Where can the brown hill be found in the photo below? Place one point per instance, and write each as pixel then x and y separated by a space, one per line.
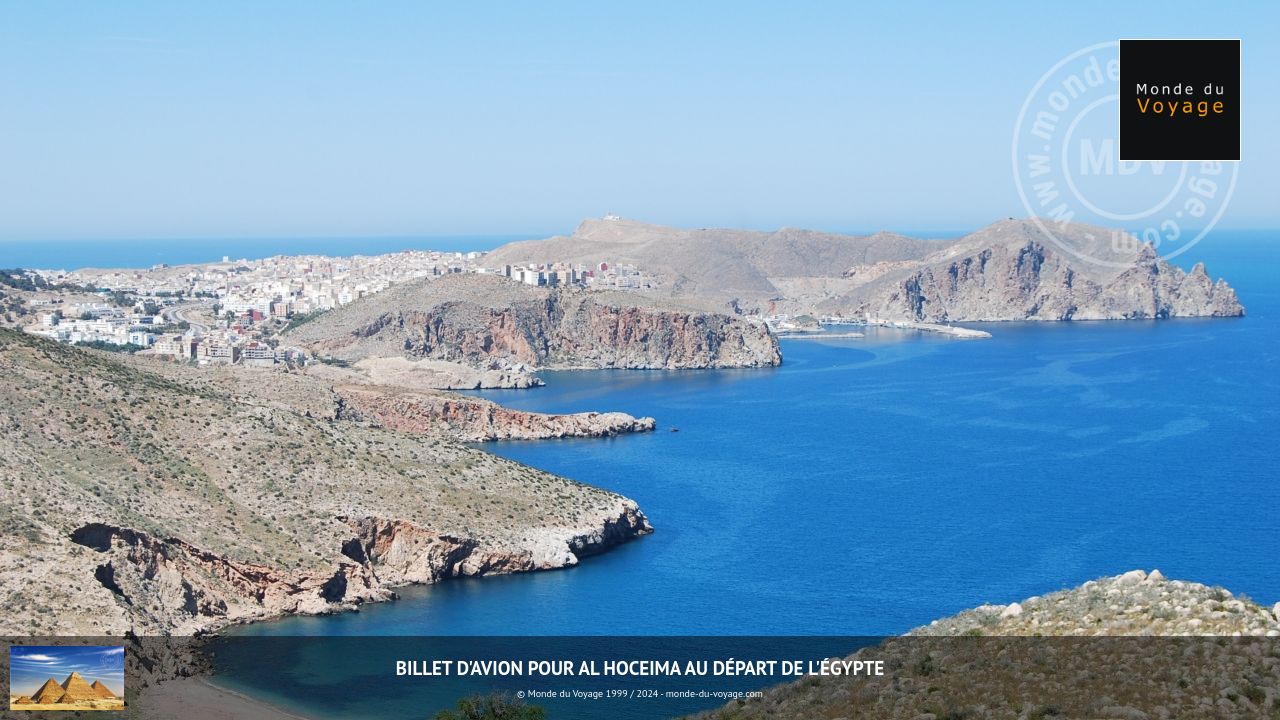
pixel 189 500
pixel 1136 645
pixel 1009 270
pixel 480 320
pixel 50 692
pixel 102 690
pixel 715 262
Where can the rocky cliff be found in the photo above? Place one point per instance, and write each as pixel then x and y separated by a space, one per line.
pixel 162 499
pixel 473 419
pixel 172 584
pixel 1136 646
pixel 1011 271
pixel 477 320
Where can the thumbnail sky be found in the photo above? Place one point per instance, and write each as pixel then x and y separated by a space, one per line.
pixel 230 119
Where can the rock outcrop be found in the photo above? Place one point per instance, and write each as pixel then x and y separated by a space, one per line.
pixel 172 583
pixel 396 552
pixel 1011 271
pixel 479 319
pixel 1136 645
pixel 474 419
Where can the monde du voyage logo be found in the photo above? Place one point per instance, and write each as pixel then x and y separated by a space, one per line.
pixel 1180 100
pixel 1131 142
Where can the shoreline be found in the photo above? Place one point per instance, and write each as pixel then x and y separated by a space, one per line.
pixel 199 698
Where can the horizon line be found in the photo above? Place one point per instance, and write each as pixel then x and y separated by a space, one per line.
pixel 521 235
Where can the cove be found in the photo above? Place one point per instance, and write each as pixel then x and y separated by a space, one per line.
pixel 869 486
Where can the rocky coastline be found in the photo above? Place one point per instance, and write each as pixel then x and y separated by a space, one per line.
pixel 188 504
pixel 472 419
pixel 1010 270
pixel 170 583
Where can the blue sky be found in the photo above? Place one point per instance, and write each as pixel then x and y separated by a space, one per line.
pixel 229 119
pixel 31 665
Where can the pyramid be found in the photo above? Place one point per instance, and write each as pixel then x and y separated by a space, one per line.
pixel 102 690
pixel 50 692
pixel 77 689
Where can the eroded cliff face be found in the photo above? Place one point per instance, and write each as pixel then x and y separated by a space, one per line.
pixel 172 584
pixel 396 552
pixel 579 333
pixel 1029 280
pixel 474 419
pixel 480 321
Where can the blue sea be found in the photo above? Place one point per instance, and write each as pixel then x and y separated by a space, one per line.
pixel 868 486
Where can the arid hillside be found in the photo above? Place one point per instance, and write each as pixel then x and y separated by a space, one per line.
pixel 1137 645
pixel 157 498
pixel 1009 270
pixel 487 321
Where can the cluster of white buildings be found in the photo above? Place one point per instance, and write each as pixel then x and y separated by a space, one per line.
pixel 224 349
pixel 601 276
pixel 90 323
pixel 128 329
pixel 249 292
pixel 285 285
pixel 279 286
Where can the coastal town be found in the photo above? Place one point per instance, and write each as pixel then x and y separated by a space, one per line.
pixel 230 311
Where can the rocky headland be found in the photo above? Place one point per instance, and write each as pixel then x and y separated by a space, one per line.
pixel 480 320
pixel 1010 270
pixel 1132 646
pixel 150 498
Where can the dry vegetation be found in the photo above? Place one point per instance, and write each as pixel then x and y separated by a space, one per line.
pixel 1133 646
pixel 250 466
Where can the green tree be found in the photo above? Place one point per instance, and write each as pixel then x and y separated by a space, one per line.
pixel 496 706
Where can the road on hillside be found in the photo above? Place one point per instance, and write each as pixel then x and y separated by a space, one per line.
pixel 177 314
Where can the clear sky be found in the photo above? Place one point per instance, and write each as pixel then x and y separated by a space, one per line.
pixel 228 119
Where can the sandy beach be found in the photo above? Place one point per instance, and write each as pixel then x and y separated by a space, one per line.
pixel 199 699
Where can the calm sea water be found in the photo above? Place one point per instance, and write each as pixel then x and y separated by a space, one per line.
pixel 869 486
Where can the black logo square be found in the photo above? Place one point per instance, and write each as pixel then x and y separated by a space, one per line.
pixel 1179 99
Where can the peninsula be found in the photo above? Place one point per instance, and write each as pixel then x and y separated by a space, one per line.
pixel 1009 270
pixel 156 498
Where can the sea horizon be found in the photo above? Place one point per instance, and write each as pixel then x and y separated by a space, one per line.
pixel 125 253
